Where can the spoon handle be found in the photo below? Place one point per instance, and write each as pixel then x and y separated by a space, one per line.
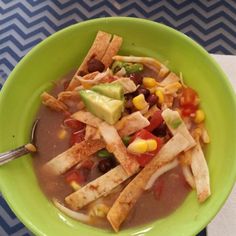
pixel 13 154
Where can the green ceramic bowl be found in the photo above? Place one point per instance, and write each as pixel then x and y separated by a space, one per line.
pixel 63 52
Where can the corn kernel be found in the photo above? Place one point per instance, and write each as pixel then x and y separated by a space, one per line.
pixel 152 145
pixel 199 117
pixel 99 210
pixel 149 82
pixel 138 146
pixel 75 185
pixel 140 102
pixel 62 134
pixel 160 96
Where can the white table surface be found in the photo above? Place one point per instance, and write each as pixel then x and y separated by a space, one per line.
pixel 224 224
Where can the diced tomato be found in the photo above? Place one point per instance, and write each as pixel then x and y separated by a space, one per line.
pixel 74 124
pixel 77 137
pixel 188 102
pixel 88 164
pixel 188 97
pixel 155 121
pixel 187 110
pixel 158 188
pixel 75 175
pixel 143 159
pixel 144 134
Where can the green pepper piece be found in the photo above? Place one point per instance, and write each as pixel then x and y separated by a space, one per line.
pixel 132 68
pixel 126 140
pixel 104 153
pixel 116 66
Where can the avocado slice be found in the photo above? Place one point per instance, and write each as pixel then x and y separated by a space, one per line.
pixel 110 90
pixel 105 108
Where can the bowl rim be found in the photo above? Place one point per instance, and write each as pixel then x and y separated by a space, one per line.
pixel 7 83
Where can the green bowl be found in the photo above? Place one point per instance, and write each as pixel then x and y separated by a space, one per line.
pixel 63 52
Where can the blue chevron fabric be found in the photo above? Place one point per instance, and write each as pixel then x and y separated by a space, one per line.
pixel 24 23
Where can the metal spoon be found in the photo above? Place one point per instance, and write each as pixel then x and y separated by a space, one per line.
pixel 20 151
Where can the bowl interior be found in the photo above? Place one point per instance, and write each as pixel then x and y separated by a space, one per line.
pixel 63 52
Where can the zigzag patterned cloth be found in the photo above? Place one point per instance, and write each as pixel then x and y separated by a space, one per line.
pixel 24 23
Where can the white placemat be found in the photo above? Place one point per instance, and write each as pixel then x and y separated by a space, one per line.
pixel 224 224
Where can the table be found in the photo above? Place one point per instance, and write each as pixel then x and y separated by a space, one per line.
pixel 23 24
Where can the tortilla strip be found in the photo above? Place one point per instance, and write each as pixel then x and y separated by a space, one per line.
pixel 68 95
pixel 188 176
pixel 127 125
pixel 205 137
pixel 87 118
pixel 176 125
pixel 128 85
pixel 200 173
pixel 78 152
pixel 115 145
pixel 131 123
pixel 129 196
pixel 200 133
pixel 97 51
pixel 102 186
pixel 112 50
pixel 169 79
pixel 151 111
pixel 98 78
pixel 161 171
pixel 75 82
pixel 91 133
pixel 53 103
pixel 71 99
pixel 171 89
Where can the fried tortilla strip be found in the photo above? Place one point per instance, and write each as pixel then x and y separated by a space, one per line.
pixel 97 51
pixel 102 186
pixel 161 171
pixel 87 118
pixel 76 80
pixel 115 145
pixel 170 79
pixel 68 95
pixel 112 50
pixel 188 176
pixel 53 103
pixel 78 152
pixel 71 99
pixel 98 78
pixel 127 84
pixel 171 89
pixel 91 133
pixel 176 125
pixel 129 196
pixel 151 111
pixel 127 125
pixel 200 173
pixel 131 123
